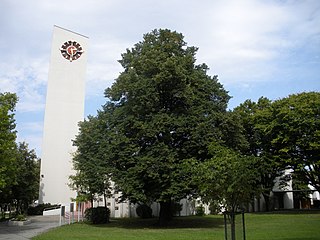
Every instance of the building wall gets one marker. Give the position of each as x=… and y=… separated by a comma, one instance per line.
x=64, y=109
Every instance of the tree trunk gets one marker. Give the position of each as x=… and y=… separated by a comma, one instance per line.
x=105, y=199
x=233, y=225
x=267, y=201
x=165, y=213
x=91, y=201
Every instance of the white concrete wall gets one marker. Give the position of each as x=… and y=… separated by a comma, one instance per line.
x=64, y=109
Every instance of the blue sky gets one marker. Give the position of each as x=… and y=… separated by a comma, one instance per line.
x=257, y=48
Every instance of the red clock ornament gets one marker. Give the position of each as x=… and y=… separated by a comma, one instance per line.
x=71, y=50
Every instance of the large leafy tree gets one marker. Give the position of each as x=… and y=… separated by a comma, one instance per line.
x=284, y=133
x=162, y=113
x=292, y=126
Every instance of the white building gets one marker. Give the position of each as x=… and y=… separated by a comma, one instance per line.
x=64, y=109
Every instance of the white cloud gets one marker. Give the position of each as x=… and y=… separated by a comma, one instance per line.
x=28, y=80
x=103, y=67
x=247, y=41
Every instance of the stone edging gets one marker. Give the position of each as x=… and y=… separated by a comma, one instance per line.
x=18, y=223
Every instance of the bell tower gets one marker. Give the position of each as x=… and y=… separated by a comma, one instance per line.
x=64, y=109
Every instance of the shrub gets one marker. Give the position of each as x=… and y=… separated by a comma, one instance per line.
x=20, y=217
x=98, y=215
x=200, y=210
x=144, y=211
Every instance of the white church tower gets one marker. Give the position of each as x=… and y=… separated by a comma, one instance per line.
x=64, y=109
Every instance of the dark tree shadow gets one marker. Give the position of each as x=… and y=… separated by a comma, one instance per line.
x=177, y=222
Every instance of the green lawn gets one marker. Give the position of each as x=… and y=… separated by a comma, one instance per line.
x=277, y=226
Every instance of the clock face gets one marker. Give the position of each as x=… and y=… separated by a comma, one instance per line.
x=71, y=50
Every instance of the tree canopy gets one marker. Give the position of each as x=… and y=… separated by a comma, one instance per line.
x=229, y=177
x=166, y=119
x=162, y=112
x=19, y=166
x=292, y=126
x=284, y=134
x=7, y=139
x=92, y=178
x=26, y=189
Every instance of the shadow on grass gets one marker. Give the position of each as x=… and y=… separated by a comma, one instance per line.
x=177, y=222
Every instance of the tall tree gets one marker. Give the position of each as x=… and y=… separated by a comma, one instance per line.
x=7, y=140
x=292, y=125
x=163, y=112
x=230, y=178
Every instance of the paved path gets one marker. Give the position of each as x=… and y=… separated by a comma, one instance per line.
x=39, y=224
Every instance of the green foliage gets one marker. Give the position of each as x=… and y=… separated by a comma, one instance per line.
x=165, y=107
x=7, y=141
x=284, y=133
x=200, y=210
x=92, y=175
x=98, y=215
x=228, y=177
x=25, y=191
x=20, y=217
x=144, y=211
x=251, y=116
x=292, y=127
x=215, y=207
x=19, y=166
x=162, y=113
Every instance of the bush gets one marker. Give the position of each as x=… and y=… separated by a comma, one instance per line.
x=200, y=210
x=144, y=211
x=20, y=217
x=98, y=215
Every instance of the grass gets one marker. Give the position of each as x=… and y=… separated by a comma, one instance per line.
x=280, y=226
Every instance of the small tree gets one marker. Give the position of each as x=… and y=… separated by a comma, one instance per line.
x=92, y=178
x=229, y=177
x=26, y=189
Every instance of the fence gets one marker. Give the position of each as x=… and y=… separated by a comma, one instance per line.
x=71, y=214
x=234, y=225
